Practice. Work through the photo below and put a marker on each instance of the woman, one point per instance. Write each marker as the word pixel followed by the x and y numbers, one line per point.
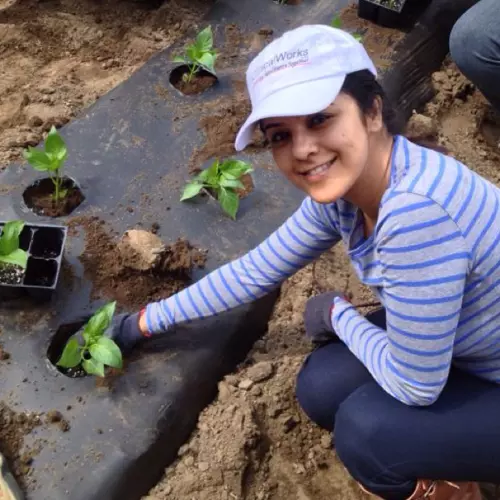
pixel 412 391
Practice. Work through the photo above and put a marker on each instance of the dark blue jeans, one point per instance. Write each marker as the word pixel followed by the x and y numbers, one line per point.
pixel 475 48
pixel 386 445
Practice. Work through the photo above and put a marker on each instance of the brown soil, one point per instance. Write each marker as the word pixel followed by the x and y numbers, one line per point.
pixel 132 289
pixel 253 441
pixel 198 84
pixel 56 417
pixel 13 427
pixel 247 181
pixel 4 355
pixel 39 197
pixel 11 274
pixel 221 126
pixel 60 60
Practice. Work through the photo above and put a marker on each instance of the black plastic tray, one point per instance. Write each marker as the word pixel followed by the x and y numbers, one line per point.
pixel 45 246
pixel 403 17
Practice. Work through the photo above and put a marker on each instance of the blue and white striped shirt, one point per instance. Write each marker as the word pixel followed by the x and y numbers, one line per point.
pixel 433 260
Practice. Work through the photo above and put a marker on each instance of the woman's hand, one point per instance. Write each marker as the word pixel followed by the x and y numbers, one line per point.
pixel 317 317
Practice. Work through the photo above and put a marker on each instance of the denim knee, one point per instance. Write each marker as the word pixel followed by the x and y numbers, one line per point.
pixel 362 439
pixel 309 393
pixel 462 45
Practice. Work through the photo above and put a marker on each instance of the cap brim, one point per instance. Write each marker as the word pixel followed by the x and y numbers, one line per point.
pixel 297 100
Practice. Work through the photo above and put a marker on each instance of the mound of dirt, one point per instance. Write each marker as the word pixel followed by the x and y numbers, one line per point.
pixel 111 278
pixel 63 58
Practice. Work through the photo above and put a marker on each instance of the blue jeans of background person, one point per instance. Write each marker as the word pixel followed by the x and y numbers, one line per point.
pixel 386 445
pixel 475 48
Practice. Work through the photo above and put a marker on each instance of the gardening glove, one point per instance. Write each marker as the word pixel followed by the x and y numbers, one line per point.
pixel 317 317
pixel 9 490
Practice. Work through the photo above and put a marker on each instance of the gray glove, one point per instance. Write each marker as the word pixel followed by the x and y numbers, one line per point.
pixel 317 317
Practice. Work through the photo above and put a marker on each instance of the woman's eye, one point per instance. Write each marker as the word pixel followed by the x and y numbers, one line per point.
pixel 278 137
pixel 316 120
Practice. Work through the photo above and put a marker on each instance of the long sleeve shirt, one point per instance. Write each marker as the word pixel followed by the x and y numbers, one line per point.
pixel 433 260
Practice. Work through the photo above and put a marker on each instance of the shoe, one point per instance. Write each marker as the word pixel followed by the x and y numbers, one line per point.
pixel 442 490
pixel 9 489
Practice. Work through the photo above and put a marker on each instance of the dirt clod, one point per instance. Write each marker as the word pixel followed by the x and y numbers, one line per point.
pixel 4 355
pixel 13 428
pixel 132 288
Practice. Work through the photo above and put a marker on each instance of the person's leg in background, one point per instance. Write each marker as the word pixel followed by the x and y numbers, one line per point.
pixel 387 446
pixel 329 375
pixel 475 48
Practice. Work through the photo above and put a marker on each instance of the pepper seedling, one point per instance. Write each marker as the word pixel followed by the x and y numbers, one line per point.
pixel 221 179
pixel 50 160
pixel 336 22
pixel 199 54
pixel 98 350
pixel 10 253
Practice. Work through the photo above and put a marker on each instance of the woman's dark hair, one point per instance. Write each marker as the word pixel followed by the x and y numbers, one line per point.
pixel 364 88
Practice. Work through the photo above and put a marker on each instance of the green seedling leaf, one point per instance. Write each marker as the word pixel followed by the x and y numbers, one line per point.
pixel 207 60
pixel 99 322
pixel 72 354
pixel 191 190
pixel 229 201
pixel 193 53
pixel 336 22
pixel 179 59
pixel 17 258
pixel 55 147
pixel 39 160
pixel 236 168
pixel 205 40
pixel 9 240
pixel 231 183
pixel 107 352
pixel 93 367
pixel 357 37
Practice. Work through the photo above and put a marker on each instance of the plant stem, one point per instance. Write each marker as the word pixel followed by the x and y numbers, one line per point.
pixel 192 70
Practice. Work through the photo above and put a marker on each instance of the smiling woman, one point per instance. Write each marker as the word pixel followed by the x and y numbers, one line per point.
pixel 421 229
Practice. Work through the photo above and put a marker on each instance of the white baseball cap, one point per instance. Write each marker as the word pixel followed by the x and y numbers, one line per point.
pixel 300 73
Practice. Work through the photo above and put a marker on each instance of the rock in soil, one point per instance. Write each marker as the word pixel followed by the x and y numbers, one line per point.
pixel 140 250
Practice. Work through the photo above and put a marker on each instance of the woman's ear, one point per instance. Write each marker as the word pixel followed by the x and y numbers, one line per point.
pixel 374 119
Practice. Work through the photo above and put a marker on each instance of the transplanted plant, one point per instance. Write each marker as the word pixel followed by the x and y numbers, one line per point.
pixel 199 54
pixel 221 179
pixel 97 350
pixel 337 23
pixel 50 160
pixel 10 253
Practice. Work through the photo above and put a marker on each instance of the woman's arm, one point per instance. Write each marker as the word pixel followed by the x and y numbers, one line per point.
pixel 424 261
pixel 304 236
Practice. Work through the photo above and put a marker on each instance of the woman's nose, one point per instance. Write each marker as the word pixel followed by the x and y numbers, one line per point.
pixel 304 145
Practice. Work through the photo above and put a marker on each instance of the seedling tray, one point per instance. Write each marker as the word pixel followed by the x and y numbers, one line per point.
pixel 402 16
pixel 45 247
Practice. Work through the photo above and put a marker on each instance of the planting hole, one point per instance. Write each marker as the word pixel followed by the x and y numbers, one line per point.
pixel 41 272
pixel 47 242
pixel 56 348
pixel 201 80
pixel 39 197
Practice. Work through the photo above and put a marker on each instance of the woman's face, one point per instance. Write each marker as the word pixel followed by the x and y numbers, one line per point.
pixel 326 153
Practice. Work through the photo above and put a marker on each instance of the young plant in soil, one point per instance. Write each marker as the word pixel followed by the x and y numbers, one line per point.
pixel 198 55
pixel 13 260
pixel 220 180
pixel 336 22
pixel 51 160
pixel 97 350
